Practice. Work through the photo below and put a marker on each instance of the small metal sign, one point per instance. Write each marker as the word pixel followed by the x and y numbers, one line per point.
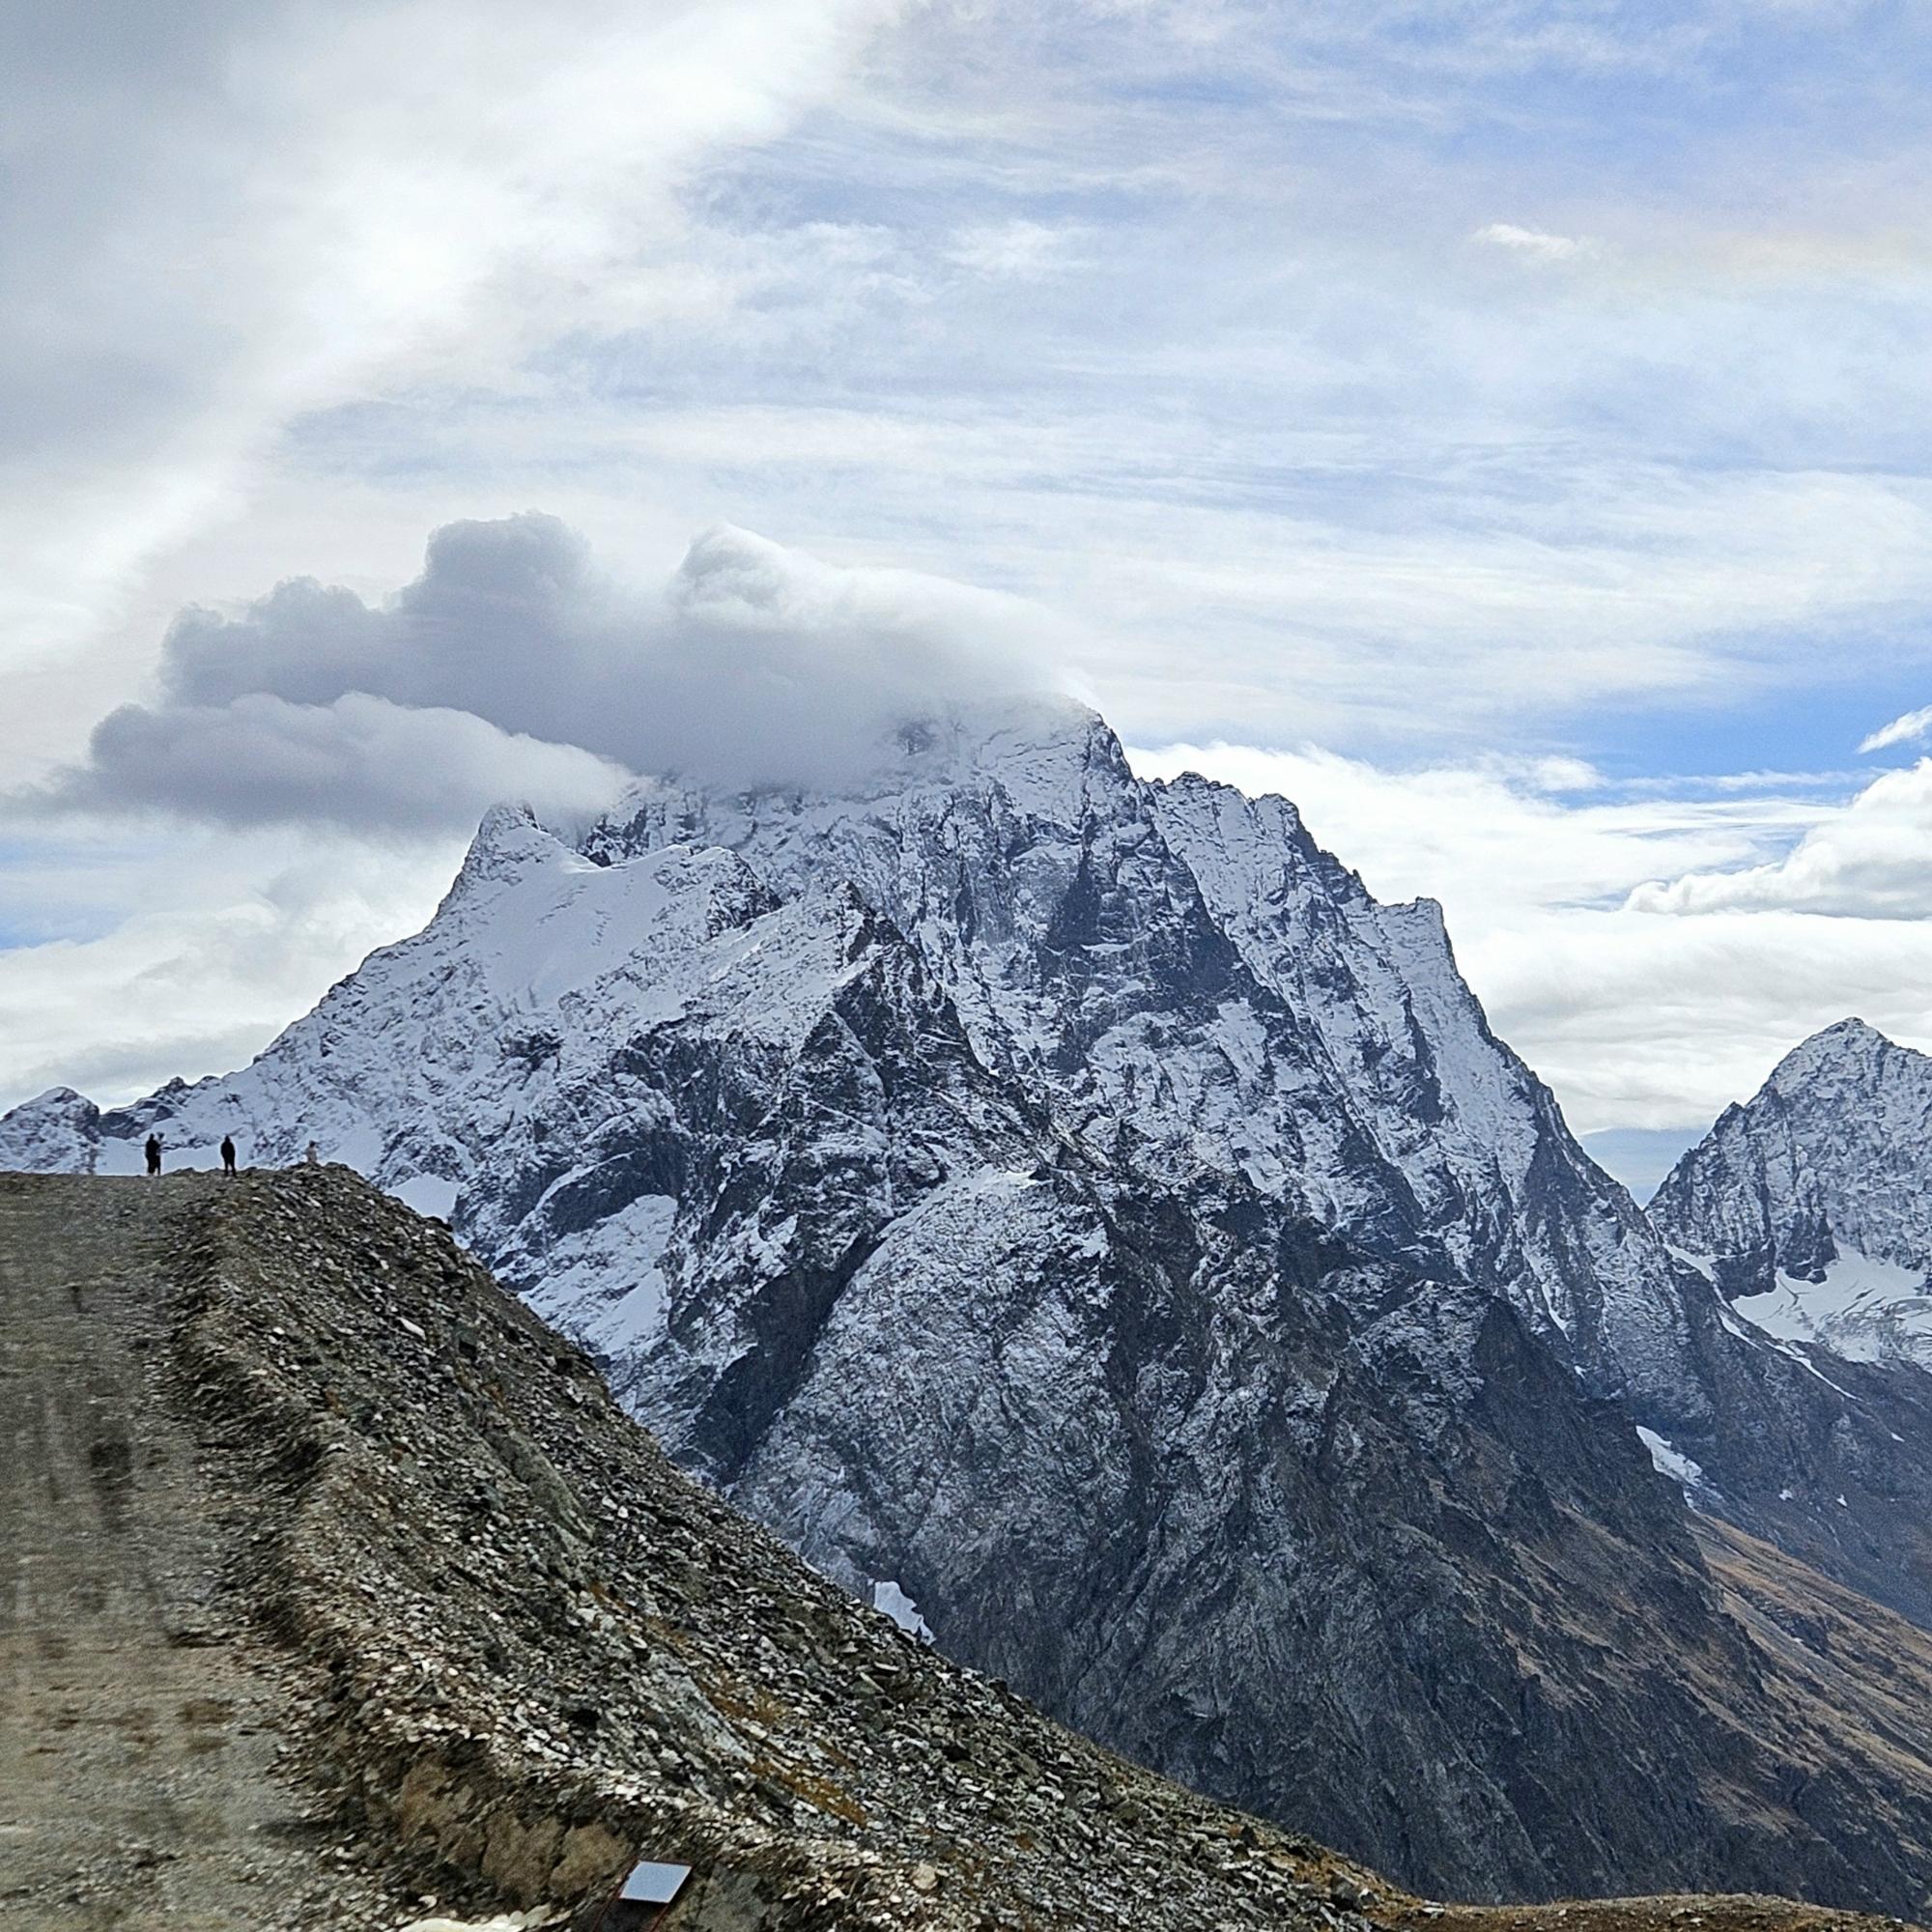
pixel 653 1884
pixel 648 1890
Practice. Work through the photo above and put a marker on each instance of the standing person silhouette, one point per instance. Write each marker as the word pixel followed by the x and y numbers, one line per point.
pixel 227 1154
pixel 154 1153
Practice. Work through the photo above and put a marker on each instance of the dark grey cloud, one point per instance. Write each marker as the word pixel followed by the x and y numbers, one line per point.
pixel 92 49
pixel 508 619
pixel 515 668
pixel 359 763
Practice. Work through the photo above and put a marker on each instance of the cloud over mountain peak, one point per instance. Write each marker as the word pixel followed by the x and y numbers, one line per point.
pixel 514 665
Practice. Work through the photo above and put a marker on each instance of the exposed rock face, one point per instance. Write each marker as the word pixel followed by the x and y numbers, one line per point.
pixel 1076 1201
pixel 1197 991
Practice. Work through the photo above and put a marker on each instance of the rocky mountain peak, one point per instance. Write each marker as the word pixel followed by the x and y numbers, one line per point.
pixel 507 843
pixel 1811 1204
pixel 56 1132
pixel 1038 747
pixel 1849 1049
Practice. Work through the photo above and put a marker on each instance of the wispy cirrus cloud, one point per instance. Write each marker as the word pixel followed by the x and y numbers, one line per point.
pixel 1017 250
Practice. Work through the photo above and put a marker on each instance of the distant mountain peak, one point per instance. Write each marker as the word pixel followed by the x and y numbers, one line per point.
pixel 1845 1042
pixel 1811 1202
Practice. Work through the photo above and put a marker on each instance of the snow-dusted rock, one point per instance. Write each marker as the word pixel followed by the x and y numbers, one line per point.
pixel 56 1132
pixel 1198 989
pixel 1808 1211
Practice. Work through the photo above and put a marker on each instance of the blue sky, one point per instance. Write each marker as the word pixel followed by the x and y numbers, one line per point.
pixel 1503 426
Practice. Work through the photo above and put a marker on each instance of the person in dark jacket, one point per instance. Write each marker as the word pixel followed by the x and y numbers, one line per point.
pixel 227 1154
pixel 154 1153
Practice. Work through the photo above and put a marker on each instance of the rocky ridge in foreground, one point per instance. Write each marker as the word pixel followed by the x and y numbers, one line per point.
pixel 536 1650
pixel 506 1646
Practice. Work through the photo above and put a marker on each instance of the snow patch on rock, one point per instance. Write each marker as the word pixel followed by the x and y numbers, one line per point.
pixel 893 1602
pixel 1864 1309
pixel 1669 1460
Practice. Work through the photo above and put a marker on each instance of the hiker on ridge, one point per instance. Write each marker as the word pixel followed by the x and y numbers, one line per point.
pixel 227 1154
pixel 154 1153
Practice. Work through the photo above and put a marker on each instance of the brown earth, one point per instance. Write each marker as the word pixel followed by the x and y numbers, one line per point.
pixel 1737 1911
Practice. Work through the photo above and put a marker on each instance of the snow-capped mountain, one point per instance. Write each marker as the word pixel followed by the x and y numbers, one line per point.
pixel 1178 973
pixel 1075 1201
pixel 58 1132
pixel 1811 1206
pixel 1198 989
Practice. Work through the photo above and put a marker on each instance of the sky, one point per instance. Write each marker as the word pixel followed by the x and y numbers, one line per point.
pixel 1503 428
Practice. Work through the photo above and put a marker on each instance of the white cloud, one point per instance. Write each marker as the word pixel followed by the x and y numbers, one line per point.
pixel 1643 1022
pixel 1904 730
pixel 1868 860
pixel 1533 243
pixel 1558 590
pixel 1217 370
pixel 184 958
pixel 1018 250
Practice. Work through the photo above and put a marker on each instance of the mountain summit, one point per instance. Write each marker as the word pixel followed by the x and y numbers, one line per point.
pixel 1076 1202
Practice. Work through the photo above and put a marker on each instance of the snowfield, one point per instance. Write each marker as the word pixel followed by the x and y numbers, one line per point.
pixel 1866 1310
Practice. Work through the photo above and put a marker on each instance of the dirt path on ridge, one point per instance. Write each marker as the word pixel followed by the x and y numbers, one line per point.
pixel 138 1733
